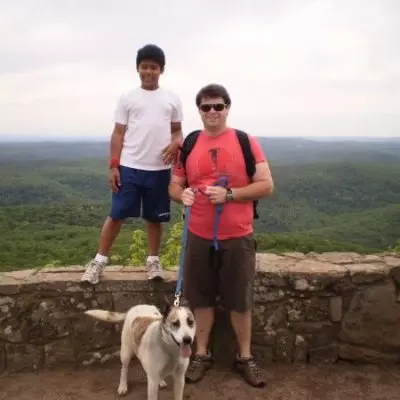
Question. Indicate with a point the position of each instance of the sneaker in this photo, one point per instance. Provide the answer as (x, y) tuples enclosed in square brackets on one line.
[(198, 368), (154, 270), (250, 371), (94, 270)]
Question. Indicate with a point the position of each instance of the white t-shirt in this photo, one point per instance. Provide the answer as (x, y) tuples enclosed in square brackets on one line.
[(148, 115)]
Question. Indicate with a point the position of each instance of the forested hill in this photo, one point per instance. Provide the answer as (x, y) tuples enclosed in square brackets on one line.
[(279, 150), (328, 196)]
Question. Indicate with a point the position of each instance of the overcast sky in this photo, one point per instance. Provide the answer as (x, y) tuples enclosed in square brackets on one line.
[(292, 67)]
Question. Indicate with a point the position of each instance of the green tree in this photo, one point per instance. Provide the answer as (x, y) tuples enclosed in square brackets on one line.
[(137, 250), (172, 250)]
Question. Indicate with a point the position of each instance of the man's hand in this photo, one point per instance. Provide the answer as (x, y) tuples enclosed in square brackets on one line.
[(187, 197), (114, 179), (216, 194), (170, 152)]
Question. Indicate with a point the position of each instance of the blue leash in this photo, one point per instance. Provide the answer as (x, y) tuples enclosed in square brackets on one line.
[(223, 181), (178, 290)]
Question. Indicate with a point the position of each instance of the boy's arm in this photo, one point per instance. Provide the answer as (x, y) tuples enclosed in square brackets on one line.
[(116, 143), (176, 133)]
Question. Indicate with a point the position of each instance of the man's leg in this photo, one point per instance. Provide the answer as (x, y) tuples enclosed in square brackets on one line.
[(237, 279), (125, 203), (156, 210), (200, 284)]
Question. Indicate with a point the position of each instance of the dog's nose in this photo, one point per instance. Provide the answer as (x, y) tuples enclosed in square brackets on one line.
[(187, 340)]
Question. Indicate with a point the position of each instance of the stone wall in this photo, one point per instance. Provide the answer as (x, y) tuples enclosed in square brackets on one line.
[(314, 308)]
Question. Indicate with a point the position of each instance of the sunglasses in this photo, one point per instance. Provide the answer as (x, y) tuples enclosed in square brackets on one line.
[(208, 107)]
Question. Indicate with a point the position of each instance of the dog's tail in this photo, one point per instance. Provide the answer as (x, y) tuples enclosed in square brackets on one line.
[(108, 316)]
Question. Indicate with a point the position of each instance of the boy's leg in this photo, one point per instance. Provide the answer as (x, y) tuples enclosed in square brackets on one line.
[(125, 203), (156, 211), (200, 284), (237, 281)]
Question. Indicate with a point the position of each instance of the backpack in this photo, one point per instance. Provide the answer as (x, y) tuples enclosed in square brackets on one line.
[(190, 141)]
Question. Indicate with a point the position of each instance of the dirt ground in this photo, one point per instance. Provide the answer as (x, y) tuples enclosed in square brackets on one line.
[(296, 382)]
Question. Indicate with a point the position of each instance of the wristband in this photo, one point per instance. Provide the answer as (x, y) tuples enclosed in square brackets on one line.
[(113, 163)]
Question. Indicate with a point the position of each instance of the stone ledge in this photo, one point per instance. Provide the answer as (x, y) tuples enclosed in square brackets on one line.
[(316, 308)]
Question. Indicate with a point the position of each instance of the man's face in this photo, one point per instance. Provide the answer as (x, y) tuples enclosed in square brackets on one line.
[(213, 112), (149, 73)]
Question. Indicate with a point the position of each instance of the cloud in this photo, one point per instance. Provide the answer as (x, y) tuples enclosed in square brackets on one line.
[(292, 67)]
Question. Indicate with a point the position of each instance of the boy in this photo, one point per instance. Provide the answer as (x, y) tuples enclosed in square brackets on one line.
[(145, 141)]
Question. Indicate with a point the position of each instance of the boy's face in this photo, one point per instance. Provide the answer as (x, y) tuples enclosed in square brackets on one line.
[(149, 73)]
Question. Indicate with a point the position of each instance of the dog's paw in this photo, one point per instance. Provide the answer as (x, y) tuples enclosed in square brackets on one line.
[(163, 384), (122, 390)]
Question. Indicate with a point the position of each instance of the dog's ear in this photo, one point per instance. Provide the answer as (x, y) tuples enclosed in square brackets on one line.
[(167, 307)]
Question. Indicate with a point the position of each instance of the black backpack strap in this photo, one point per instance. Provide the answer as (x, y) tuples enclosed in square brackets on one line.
[(187, 146), (247, 153), (249, 161)]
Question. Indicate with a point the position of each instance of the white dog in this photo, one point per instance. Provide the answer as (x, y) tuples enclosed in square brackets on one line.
[(161, 342)]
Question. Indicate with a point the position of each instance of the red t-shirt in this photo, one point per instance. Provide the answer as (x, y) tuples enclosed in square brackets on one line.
[(211, 158)]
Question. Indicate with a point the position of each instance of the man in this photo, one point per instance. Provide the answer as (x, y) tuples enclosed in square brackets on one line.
[(145, 141), (229, 272)]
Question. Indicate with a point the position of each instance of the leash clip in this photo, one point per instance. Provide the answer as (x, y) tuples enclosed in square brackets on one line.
[(177, 301)]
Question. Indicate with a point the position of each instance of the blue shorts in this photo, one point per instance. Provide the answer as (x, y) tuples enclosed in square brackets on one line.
[(142, 193)]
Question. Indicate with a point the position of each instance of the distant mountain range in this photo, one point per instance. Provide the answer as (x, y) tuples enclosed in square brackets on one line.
[(294, 150)]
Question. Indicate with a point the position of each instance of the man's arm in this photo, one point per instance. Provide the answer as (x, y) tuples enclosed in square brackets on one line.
[(261, 186), (176, 188), (117, 140)]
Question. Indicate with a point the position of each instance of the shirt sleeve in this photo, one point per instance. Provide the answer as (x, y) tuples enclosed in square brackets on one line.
[(177, 113), (257, 150), (121, 113)]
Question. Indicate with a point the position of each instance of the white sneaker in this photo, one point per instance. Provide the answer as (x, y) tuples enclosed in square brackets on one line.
[(154, 270), (94, 270)]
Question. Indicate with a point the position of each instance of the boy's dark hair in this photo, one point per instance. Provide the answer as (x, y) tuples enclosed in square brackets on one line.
[(212, 91), (151, 52)]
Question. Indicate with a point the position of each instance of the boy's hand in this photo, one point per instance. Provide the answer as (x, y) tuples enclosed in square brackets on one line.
[(170, 152), (114, 179)]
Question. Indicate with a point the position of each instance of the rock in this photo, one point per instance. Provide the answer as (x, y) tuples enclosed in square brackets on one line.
[(59, 352), (301, 284), (324, 355), (268, 317), (24, 357), (300, 350), (2, 357), (284, 345), (392, 262), (362, 354), (368, 273), (313, 309), (265, 295), (336, 306), (339, 258), (395, 273), (100, 356), (373, 319), (295, 254), (264, 355), (317, 274), (37, 319)]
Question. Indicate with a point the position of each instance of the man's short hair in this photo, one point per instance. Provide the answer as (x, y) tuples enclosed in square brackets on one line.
[(213, 91), (151, 52)]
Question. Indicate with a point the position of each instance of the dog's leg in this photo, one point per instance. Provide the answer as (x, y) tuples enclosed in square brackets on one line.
[(152, 388), (179, 384), (126, 355)]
